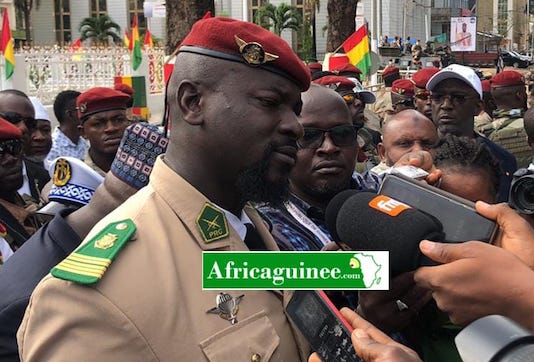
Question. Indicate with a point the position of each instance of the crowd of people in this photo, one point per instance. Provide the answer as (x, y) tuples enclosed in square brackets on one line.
[(102, 220)]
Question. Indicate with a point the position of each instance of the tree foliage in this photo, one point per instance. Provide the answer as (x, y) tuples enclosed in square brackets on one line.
[(279, 17), (100, 30), (25, 7)]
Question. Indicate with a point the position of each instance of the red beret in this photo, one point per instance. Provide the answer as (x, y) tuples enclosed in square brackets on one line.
[(403, 87), (335, 81), (486, 85), (390, 70), (124, 88), (8, 130), (100, 99), (315, 65), (423, 75), (507, 78), (347, 68), (247, 43)]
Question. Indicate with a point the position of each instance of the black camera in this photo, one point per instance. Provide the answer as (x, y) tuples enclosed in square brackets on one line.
[(522, 191)]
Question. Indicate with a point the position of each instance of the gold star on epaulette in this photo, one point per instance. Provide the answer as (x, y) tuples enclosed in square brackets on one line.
[(253, 52)]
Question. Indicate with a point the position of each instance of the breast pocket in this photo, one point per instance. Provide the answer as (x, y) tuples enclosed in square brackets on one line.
[(252, 339)]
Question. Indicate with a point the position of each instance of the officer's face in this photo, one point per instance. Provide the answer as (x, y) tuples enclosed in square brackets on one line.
[(104, 130), (454, 105), (40, 140), (251, 123), (323, 169), (18, 107), (10, 168)]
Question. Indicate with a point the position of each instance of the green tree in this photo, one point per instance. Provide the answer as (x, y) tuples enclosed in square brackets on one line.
[(279, 17), (25, 7), (100, 30), (311, 7)]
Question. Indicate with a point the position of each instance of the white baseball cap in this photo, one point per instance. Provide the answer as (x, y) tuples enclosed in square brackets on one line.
[(366, 96), (456, 71)]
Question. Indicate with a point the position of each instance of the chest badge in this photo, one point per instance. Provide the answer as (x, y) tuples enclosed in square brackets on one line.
[(227, 307)]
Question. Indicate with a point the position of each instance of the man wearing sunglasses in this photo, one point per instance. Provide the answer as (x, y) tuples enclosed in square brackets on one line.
[(422, 94), (17, 108), (16, 223), (324, 167), (456, 95)]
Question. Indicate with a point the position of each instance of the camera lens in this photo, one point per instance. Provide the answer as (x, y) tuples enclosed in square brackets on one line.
[(522, 194)]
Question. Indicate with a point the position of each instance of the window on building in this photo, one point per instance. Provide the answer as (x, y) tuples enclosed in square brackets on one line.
[(502, 17), (98, 7), (136, 7), (62, 21)]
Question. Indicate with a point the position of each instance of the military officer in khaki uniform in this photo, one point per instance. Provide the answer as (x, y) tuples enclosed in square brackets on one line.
[(383, 98), (233, 100)]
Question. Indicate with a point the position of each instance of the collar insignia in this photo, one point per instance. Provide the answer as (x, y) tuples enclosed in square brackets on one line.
[(227, 307), (62, 172), (212, 223), (253, 52)]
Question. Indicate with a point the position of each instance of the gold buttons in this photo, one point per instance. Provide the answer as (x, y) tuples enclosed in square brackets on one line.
[(256, 357), (121, 226)]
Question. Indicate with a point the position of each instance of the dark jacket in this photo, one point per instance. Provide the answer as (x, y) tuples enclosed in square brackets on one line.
[(38, 177), (22, 272)]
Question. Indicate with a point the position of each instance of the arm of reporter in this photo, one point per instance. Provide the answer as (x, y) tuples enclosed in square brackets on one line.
[(371, 344), (516, 234), (478, 279)]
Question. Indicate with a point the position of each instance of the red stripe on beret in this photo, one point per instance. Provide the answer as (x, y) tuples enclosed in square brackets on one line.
[(9, 130)]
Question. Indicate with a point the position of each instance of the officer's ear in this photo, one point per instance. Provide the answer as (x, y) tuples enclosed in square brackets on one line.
[(188, 98), (82, 131)]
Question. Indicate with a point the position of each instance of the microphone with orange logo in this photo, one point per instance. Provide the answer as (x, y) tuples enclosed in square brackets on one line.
[(365, 221)]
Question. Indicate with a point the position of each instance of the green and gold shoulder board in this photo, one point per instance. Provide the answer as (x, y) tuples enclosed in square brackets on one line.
[(88, 264)]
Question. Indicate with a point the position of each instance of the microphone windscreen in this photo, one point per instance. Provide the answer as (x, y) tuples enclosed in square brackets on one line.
[(367, 221), (332, 210)]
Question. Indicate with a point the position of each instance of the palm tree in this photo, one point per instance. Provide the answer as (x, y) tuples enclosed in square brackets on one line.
[(311, 7), (25, 7), (279, 17), (100, 30)]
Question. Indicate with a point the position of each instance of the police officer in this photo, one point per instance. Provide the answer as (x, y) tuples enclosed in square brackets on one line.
[(233, 98)]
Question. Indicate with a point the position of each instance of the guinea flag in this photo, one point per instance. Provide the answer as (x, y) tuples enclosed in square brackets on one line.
[(137, 58), (7, 46), (357, 49)]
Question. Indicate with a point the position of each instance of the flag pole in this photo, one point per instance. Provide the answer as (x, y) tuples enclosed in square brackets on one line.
[(337, 49)]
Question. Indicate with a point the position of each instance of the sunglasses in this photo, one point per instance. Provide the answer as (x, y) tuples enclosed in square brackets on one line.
[(350, 98), (342, 136), (16, 118), (455, 99), (423, 95), (13, 147)]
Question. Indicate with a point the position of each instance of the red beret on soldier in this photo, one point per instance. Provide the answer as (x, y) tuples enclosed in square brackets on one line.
[(236, 41), (124, 88), (335, 82), (8, 130), (390, 70), (423, 75), (100, 99), (347, 68), (403, 87), (507, 78), (315, 66), (486, 85)]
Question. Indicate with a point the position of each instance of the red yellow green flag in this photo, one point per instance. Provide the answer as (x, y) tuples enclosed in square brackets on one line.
[(7, 46), (127, 41), (357, 49), (148, 39), (137, 58)]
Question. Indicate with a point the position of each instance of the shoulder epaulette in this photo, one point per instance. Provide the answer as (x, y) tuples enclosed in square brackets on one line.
[(88, 264)]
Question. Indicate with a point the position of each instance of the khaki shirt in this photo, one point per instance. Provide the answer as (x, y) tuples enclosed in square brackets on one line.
[(383, 102), (150, 305), (89, 161)]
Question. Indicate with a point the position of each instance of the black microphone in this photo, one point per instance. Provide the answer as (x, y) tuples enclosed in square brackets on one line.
[(366, 221)]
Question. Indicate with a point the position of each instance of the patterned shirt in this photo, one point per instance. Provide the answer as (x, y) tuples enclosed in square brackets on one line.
[(291, 234), (63, 146)]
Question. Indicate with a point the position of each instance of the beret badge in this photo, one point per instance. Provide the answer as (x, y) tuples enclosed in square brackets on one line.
[(400, 91), (253, 52), (82, 107)]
